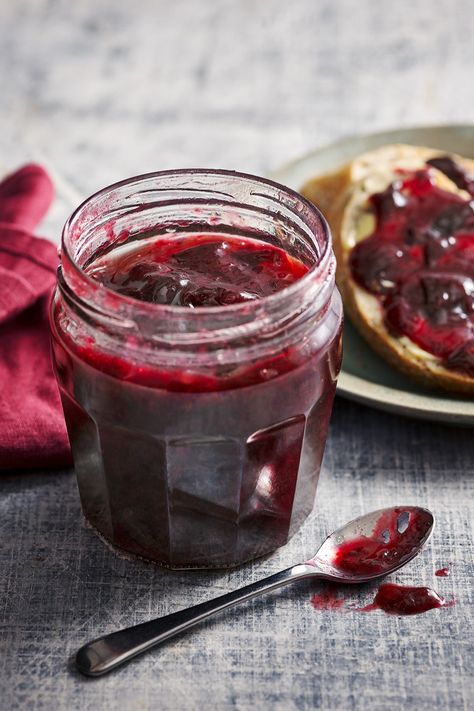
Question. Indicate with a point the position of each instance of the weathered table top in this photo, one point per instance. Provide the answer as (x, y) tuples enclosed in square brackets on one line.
[(103, 90)]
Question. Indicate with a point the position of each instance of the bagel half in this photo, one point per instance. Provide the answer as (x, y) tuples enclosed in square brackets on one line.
[(343, 197)]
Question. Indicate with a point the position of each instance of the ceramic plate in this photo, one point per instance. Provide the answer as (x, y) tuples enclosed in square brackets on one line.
[(365, 377)]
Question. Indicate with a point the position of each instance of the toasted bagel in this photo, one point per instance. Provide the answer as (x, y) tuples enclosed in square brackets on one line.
[(343, 197)]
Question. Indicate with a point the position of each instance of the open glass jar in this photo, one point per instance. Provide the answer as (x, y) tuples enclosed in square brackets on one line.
[(197, 434)]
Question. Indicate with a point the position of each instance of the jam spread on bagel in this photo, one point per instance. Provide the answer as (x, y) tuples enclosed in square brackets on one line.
[(419, 261)]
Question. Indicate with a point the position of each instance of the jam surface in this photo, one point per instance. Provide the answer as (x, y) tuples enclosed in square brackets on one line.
[(419, 262), (193, 271), (198, 270)]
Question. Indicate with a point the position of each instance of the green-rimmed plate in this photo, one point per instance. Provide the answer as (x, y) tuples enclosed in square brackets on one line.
[(365, 377)]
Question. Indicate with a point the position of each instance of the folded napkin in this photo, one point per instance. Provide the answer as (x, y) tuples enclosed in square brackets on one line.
[(32, 428)]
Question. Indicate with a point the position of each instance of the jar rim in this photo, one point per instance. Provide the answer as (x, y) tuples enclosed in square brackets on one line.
[(314, 220)]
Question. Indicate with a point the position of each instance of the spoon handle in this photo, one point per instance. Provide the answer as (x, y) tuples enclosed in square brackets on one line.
[(105, 653)]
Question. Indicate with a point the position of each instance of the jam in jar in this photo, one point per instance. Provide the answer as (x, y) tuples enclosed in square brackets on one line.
[(197, 342)]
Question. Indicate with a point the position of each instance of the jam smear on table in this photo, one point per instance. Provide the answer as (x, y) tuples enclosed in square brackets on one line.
[(198, 270), (329, 599), (419, 262), (443, 573), (404, 600), (390, 598)]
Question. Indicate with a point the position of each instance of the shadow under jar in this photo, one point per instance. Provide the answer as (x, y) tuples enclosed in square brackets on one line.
[(197, 430)]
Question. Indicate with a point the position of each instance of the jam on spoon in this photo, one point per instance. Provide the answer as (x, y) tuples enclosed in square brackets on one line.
[(394, 537)]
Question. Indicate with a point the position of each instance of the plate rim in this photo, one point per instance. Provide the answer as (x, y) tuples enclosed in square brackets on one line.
[(359, 389), (384, 397), (347, 139)]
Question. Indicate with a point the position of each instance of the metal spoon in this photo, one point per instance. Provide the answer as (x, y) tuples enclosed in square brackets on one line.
[(364, 549)]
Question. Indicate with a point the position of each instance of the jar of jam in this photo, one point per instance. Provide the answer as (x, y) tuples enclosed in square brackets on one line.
[(197, 342)]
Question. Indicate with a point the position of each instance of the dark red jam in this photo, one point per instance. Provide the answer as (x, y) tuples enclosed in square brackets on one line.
[(404, 600), (198, 270), (394, 539), (442, 573), (205, 465), (419, 262), (192, 272), (390, 598)]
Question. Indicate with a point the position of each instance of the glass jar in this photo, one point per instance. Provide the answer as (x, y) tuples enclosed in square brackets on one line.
[(197, 435)]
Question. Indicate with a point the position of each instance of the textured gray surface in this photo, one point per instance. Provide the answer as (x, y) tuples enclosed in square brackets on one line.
[(102, 90)]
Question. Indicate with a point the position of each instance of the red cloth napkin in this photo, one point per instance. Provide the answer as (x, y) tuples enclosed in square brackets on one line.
[(32, 428)]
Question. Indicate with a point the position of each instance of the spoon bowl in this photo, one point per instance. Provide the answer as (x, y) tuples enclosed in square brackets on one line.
[(368, 547), (376, 544)]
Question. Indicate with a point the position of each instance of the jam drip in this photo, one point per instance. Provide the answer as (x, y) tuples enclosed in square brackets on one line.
[(419, 262), (197, 270)]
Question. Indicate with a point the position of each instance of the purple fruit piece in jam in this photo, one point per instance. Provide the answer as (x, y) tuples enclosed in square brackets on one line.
[(453, 171)]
